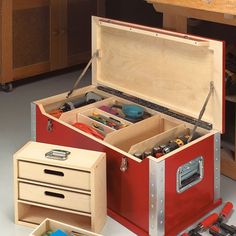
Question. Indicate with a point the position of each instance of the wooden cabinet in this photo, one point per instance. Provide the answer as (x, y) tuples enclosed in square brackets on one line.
[(228, 151), (44, 35), (71, 190)]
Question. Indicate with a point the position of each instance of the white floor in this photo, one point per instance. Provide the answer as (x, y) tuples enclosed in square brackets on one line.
[(15, 131)]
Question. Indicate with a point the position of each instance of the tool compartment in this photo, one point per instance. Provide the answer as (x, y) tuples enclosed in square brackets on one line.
[(170, 76)]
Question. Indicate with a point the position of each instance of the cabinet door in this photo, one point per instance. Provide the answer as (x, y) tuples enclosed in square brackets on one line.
[(58, 44), (31, 37), (79, 29)]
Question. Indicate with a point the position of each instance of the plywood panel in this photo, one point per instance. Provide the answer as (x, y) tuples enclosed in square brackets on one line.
[(169, 69)]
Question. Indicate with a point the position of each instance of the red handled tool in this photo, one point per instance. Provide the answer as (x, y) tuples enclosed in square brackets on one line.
[(225, 212), (216, 229), (204, 225), (88, 130)]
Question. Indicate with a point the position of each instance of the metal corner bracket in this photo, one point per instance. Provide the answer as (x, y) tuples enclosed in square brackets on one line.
[(33, 121), (156, 198), (217, 141)]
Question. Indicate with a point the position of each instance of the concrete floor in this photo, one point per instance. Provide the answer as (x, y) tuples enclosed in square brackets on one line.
[(15, 132)]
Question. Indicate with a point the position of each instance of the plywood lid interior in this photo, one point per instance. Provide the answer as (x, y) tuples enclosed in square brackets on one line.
[(168, 69)]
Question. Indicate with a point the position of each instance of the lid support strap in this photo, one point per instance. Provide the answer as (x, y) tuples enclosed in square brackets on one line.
[(202, 111), (95, 55)]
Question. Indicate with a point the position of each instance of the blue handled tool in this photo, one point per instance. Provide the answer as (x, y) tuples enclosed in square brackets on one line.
[(131, 111)]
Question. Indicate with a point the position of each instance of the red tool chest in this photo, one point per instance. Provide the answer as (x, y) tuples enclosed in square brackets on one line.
[(176, 79)]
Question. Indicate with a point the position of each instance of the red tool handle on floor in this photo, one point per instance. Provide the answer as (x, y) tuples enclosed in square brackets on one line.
[(210, 220), (206, 223), (228, 207)]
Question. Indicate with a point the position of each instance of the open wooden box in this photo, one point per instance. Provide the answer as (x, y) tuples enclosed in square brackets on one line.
[(170, 75), (52, 225)]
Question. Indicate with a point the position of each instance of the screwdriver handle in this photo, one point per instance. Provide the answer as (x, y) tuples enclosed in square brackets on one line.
[(210, 220), (226, 209), (185, 234)]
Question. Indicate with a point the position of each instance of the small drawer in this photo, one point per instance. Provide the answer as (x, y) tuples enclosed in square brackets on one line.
[(54, 197), (52, 225), (54, 175)]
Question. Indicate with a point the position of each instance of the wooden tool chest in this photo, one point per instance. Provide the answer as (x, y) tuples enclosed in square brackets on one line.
[(72, 190), (171, 76)]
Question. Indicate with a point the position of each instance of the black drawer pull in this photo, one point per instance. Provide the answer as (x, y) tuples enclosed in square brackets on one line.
[(53, 172), (52, 194)]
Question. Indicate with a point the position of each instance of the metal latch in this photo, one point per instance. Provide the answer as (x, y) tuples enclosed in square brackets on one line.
[(49, 125), (124, 164), (189, 174), (57, 154)]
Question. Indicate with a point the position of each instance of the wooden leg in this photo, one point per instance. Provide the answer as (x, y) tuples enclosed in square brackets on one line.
[(175, 23)]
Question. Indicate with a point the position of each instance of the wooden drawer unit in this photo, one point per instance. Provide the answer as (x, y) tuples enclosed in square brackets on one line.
[(71, 187)]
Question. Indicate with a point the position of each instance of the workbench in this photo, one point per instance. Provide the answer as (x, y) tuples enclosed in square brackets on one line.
[(175, 17), (176, 13)]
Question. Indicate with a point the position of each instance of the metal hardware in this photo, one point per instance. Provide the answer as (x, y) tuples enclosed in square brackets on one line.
[(157, 107), (33, 121), (156, 198), (202, 111), (189, 174), (95, 55), (217, 166), (57, 154), (49, 125), (124, 164)]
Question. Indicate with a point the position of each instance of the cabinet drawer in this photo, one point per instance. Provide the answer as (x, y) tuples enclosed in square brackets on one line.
[(54, 197), (54, 175)]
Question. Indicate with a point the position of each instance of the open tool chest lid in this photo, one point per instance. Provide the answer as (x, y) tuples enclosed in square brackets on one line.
[(170, 69)]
